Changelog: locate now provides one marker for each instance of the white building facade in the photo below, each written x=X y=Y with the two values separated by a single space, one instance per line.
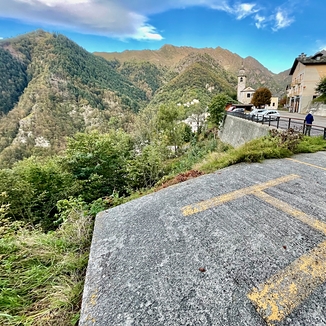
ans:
x=306 y=73
x=244 y=94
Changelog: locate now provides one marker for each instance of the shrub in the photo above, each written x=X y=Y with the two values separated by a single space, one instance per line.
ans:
x=98 y=162
x=286 y=138
x=148 y=166
x=33 y=187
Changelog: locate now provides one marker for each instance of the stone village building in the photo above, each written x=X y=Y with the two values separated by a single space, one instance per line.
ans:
x=306 y=73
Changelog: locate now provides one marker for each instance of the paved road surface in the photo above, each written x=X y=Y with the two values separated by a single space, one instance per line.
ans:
x=298 y=118
x=243 y=246
x=318 y=120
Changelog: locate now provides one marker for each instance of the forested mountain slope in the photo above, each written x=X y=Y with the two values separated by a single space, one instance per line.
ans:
x=196 y=77
x=51 y=88
x=145 y=75
x=169 y=57
x=60 y=89
x=13 y=80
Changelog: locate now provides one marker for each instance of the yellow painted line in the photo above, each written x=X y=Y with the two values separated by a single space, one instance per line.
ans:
x=301 y=162
x=216 y=201
x=284 y=291
x=318 y=225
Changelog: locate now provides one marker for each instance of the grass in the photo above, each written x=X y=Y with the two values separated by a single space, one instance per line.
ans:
x=320 y=99
x=255 y=151
x=280 y=145
x=42 y=275
x=311 y=145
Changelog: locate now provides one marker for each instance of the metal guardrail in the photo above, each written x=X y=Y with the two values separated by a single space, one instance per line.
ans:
x=284 y=123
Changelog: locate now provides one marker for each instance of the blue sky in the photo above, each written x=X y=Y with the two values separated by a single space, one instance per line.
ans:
x=273 y=32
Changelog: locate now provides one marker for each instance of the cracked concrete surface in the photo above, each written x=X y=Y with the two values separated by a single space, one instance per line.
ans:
x=235 y=262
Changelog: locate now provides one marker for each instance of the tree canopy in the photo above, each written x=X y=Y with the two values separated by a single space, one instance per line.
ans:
x=216 y=108
x=321 y=86
x=13 y=80
x=261 y=97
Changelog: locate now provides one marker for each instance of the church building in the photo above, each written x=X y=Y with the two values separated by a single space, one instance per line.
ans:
x=244 y=94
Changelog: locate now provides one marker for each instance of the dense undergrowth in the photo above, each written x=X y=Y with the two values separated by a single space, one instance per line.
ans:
x=42 y=273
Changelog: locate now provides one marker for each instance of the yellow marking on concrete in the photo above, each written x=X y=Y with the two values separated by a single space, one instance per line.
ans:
x=318 y=225
x=284 y=291
x=216 y=201
x=301 y=162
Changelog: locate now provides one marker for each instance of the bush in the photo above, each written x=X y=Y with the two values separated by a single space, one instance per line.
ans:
x=98 y=162
x=147 y=167
x=33 y=187
x=286 y=138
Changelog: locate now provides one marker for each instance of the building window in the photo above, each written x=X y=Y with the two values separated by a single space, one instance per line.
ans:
x=273 y=104
x=241 y=79
x=248 y=94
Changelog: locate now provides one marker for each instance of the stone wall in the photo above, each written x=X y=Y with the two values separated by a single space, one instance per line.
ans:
x=318 y=109
x=236 y=131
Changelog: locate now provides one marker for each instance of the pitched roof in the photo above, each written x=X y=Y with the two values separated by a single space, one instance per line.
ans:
x=248 y=89
x=316 y=59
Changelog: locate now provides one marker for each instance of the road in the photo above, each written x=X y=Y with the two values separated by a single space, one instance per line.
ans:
x=318 y=120
x=243 y=246
x=296 y=122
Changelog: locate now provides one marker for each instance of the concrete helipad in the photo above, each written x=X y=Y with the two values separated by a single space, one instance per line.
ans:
x=243 y=246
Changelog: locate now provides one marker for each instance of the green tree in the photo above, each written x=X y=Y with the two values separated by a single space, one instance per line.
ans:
x=321 y=87
x=261 y=97
x=169 y=126
x=98 y=162
x=216 y=108
x=147 y=166
x=32 y=188
x=198 y=116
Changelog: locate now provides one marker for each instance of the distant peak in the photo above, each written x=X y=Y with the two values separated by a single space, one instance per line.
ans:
x=167 y=46
x=170 y=47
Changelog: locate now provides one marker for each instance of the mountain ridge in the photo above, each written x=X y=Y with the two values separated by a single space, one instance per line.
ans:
x=164 y=56
x=56 y=88
x=169 y=56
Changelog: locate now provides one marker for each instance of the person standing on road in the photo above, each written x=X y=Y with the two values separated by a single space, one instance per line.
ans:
x=308 y=123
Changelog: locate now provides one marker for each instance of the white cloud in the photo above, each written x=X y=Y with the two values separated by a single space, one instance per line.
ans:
x=239 y=10
x=282 y=20
x=147 y=32
x=260 y=21
x=111 y=18
x=120 y=18
x=245 y=9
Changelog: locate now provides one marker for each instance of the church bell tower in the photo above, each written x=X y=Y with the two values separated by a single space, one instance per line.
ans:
x=242 y=78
